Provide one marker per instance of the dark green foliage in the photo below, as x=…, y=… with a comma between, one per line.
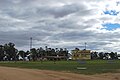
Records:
x=22, y=54
x=2, y=53
x=105, y=56
x=49, y=54
x=10, y=51
x=93, y=66
x=33, y=54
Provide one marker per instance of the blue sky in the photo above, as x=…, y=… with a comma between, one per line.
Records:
x=61, y=23
x=111, y=12
x=110, y=26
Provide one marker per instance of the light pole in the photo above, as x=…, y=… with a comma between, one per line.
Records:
x=85, y=45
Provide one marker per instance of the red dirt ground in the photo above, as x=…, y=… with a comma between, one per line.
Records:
x=7, y=73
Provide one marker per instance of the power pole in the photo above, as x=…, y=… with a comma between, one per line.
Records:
x=85, y=45
x=30, y=42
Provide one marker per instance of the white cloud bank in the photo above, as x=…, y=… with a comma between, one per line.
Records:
x=59, y=23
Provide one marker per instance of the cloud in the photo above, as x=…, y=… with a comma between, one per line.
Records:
x=59, y=23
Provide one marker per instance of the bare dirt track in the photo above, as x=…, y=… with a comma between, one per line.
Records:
x=7, y=73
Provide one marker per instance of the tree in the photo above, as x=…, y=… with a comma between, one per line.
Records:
x=94, y=55
x=33, y=52
x=10, y=51
x=116, y=55
x=22, y=54
x=101, y=55
x=40, y=54
x=106, y=55
x=2, y=55
x=112, y=55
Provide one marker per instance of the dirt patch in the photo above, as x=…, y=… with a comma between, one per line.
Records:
x=111, y=76
x=7, y=73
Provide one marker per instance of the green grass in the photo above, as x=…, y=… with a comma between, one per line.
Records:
x=93, y=66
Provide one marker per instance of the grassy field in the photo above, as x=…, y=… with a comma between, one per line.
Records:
x=82, y=67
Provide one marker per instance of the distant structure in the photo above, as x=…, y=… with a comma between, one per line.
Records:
x=81, y=54
x=85, y=45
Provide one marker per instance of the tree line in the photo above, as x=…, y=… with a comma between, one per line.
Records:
x=8, y=52
x=106, y=55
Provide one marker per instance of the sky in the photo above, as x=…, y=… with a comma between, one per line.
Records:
x=61, y=23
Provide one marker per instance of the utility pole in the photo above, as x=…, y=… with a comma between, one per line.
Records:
x=30, y=42
x=85, y=45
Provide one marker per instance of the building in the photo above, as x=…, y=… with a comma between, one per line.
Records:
x=81, y=54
